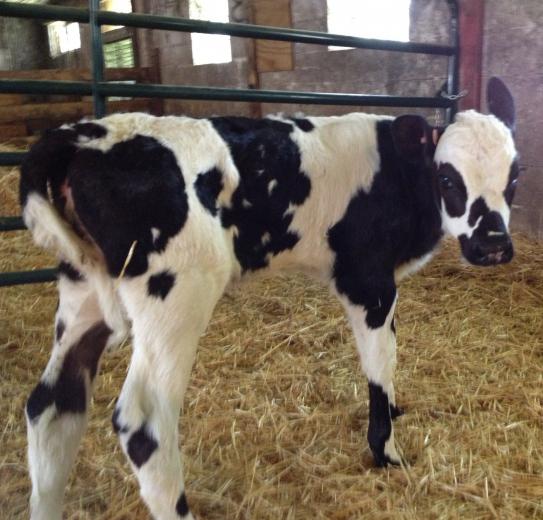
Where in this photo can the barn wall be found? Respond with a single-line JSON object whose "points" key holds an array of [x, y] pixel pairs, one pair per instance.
{"points": [[315, 68], [173, 50], [513, 50], [362, 71], [23, 44]]}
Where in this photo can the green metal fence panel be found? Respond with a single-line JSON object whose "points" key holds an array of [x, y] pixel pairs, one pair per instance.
{"points": [[11, 224], [101, 90], [167, 23], [26, 277]]}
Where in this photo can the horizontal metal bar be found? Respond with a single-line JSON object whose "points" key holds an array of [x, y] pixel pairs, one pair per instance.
{"points": [[269, 96], [24, 277], [220, 94], [35, 86], [268, 33], [11, 224], [168, 23], [44, 12], [11, 158]]}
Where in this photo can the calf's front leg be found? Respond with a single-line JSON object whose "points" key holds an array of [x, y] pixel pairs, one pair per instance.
{"points": [[373, 328]]}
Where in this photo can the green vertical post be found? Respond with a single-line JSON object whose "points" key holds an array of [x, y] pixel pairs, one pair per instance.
{"points": [[99, 101], [453, 73]]}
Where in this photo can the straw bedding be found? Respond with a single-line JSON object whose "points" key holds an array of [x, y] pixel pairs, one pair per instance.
{"points": [[276, 412]]}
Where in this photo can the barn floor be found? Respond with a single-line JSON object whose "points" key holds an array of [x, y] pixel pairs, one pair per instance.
{"points": [[276, 413]]}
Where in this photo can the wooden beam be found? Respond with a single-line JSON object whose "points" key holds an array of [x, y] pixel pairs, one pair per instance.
{"points": [[13, 130], [115, 74], [471, 25], [272, 56], [64, 111], [12, 99]]}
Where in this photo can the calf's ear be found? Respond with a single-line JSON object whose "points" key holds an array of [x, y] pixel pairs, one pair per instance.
{"points": [[500, 102], [412, 137]]}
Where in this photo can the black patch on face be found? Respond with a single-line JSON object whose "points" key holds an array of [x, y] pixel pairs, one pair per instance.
{"points": [[182, 507], [452, 189], [59, 330], [208, 187], [41, 398], [396, 222], [141, 446], [393, 325], [159, 285], [302, 123], [268, 161], [490, 243], [68, 393], [478, 209], [68, 270], [509, 191], [90, 130], [380, 426], [121, 194]]}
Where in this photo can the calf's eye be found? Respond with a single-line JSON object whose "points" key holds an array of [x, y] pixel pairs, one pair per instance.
{"points": [[446, 182]]}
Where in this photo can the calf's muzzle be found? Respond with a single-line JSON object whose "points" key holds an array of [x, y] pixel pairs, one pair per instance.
{"points": [[490, 243]]}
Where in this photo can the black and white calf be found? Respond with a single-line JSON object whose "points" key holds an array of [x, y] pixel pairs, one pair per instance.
{"points": [[153, 217]]}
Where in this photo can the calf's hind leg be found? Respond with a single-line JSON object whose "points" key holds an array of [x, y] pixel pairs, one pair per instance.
{"points": [[56, 410], [169, 313]]}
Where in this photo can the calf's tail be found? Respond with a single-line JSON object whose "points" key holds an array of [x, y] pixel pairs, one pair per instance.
{"points": [[43, 173]]}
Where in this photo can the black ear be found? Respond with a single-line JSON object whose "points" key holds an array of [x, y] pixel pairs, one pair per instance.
{"points": [[412, 137], [500, 102]]}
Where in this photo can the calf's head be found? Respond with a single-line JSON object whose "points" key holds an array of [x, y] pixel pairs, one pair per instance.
{"points": [[476, 174]]}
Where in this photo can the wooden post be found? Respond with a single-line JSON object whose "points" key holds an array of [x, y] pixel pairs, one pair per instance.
{"points": [[253, 77], [471, 52], [156, 104], [273, 56]]}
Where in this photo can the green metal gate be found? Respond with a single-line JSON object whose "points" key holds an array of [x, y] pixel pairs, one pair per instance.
{"points": [[100, 90]]}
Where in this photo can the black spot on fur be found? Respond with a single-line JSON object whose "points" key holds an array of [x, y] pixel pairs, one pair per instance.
{"points": [[90, 130], [509, 191], [141, 446], [395, 411], [45, 164], [117, 426], [87, 351], [393, 325], [268, 161], [59, 330], [182, 507], [68, 270], [395, 222], [159, 285], [303, 124], [115, 420], [41, 398], [452, 189], [380, 426], [121, 194], [68, 392], [478, 209], [208, 187]]}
